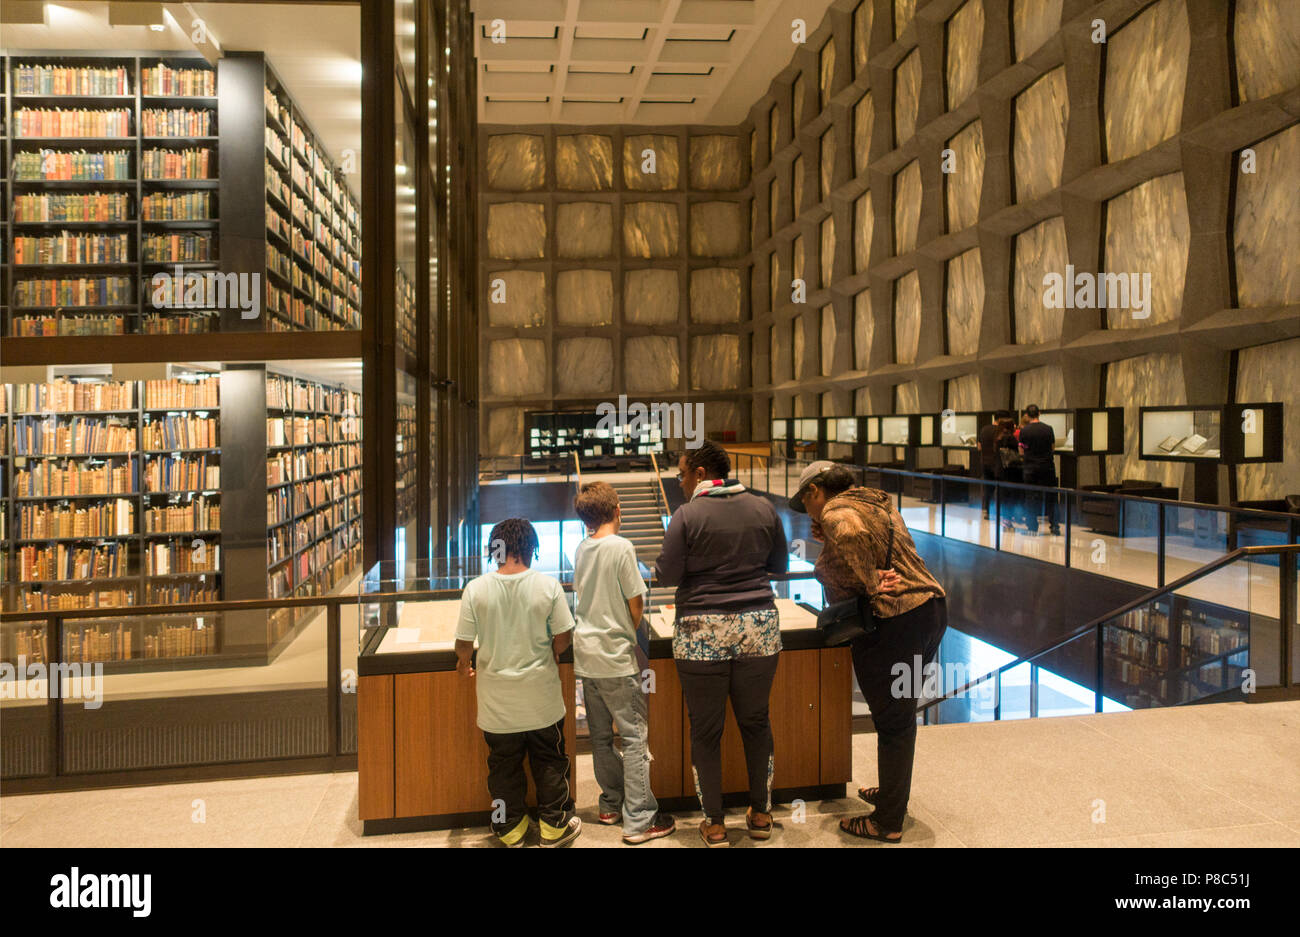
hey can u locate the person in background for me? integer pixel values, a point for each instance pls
(610, 600)
(863, 534)
(1038, 442)
(1010, 469)
(521, 621)
(989, 460)
(718, 550)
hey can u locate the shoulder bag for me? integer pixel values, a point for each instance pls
(844, 622)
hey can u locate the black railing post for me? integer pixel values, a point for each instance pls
(1160, 545)
(1101, 654)
(997, 516)
(1033, 691)
(1069, 527)
(333, 678)
(943, 507)
(53, 691)
(1286, 583)
(997, 695)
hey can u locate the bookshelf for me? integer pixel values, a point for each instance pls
(406, 456)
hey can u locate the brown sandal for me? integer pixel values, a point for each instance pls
(858, 826)
(713, 834)
(869, 794)
(758, 830)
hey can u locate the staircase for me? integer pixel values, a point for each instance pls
(642, 518)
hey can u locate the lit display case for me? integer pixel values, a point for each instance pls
(1099, 431)
(959, 429)
(1210, 436)
(1181, 434)
(552, 435)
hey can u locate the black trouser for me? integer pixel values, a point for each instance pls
(988, 473)
(1042, 475)
(707, 685)
(898, 640)
(508, 785)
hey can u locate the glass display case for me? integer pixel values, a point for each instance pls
(960, 429)
(553, 435)
(1062, 424)
(1181, 434)
(895, 430)
(1099, 431)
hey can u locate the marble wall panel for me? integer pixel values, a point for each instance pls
(1033, 22)
(1038, 151)
(964, 393)
(651, 364)
(584, 365)
(650, 297)
(863, 329)
(798, 94)
(907, 206)
(864, 222)
(774, 279)
(1266, 236)
(516, 367)
(1040, 250)
(1146, 70)
(862, 400)
(717, 229)
(907, 397)
(862, 14)
(799, 259)
(716, 163)
(525, 299)
(715, 295)
(584, 297)
(1266, 41)
(650, 229)
(826, 252)
(775, 351)
(964, 185)
(826, 174)
(584, 230)
(715, 362)
(797, 174)
(516, 231)
(773, 130)
(1143, 381)
(584, 162)
(907, 317)
(907, 97)
(516, 162)
(965, 302)
(1042, 386)
(721, 416)
(965, 31)
(797, 346)
(505, 431)
(826, 73)
(904, 10)
(667, 163)
(828, 337)
(773, 204)
(1147, 231)
(864, 122)
(1265, 374)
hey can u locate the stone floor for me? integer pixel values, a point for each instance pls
(1218, 775)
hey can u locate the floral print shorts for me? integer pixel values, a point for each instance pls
(727, 636)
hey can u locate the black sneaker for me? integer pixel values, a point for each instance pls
(562, 836)
(661, 825)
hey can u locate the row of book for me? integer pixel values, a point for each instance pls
(69, 248)
(180, 432)
(109, 519)
(176, 122)
(65, 562)
(176, 206)
(177, 325)
(180, 593)
(80, 435)
(27, 326)
(62, 395)
(103, 643)
(43, 601)
(178, 82)
(176, 247)
(71, 166)
(192, 163)
(277, 261)
(279, 507)
(27, 643)
(178, 558)
(203, 393)
(276, 187)
(75, 479)
(70, 79)
(79, 291)
(201, 513)
(78, 122)
(181, 473)
(73, 206)
(276, 146)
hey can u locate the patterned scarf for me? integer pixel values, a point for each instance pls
(717, 486)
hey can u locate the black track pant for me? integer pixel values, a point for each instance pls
(508, 784)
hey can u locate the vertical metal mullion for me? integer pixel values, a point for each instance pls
(333, 679)
(1160, 544)
(54, 701)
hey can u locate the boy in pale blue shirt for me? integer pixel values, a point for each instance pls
(610, 600)
(522, 624)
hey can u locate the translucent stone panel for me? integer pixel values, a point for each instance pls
(584, 162)
(907, 97)
(826, 176)
(1147, 231)
(584, 229)
(828, 341)
(584, 365)
(907, 207)
(584, 297)
(650, 297)
(717, 229)
(516, 231)
(826, 254)
(715, 362)
(505, 431)
(962, 187)
(799, 94)
(773, 204)
(965, 302)
(798, 347)
(964, 393)
(864, 122)
(826, 76)
(863, 329)
(650, 229)
(1033, 22)
(1266, 236)
(517, 367)
(523, 298)
(1040, 250)
(907, 317)
(715, 295)
(862, 400)
(1043, 386)
(636, 162)
(796, 181)
(1268, 373)
(904, 10)
(753, 149)
(773, 357)
(1266, 40)
(1146, 69)
(1139, 382)
(863, 227)
(965, 32)
(773, 130)
(907, 398)
(861, 35)
(799, 259)
(1039, 147)
(651, 363)
(716, 162)
(774, 279)
(516, 162)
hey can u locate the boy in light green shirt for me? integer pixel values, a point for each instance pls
(522, 624)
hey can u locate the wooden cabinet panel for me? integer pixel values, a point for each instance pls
(836, 715)
(416, 743)
(375, 747)
(665, 716)
(796, 713)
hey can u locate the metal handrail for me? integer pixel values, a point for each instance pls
(659, 484)
(577, 468)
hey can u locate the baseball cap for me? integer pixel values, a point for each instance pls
(806, 478)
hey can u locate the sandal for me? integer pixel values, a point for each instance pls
(869, 794)
(758, 830)
(714, 835)
(858, 826)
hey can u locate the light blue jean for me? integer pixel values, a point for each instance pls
(624, 778)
